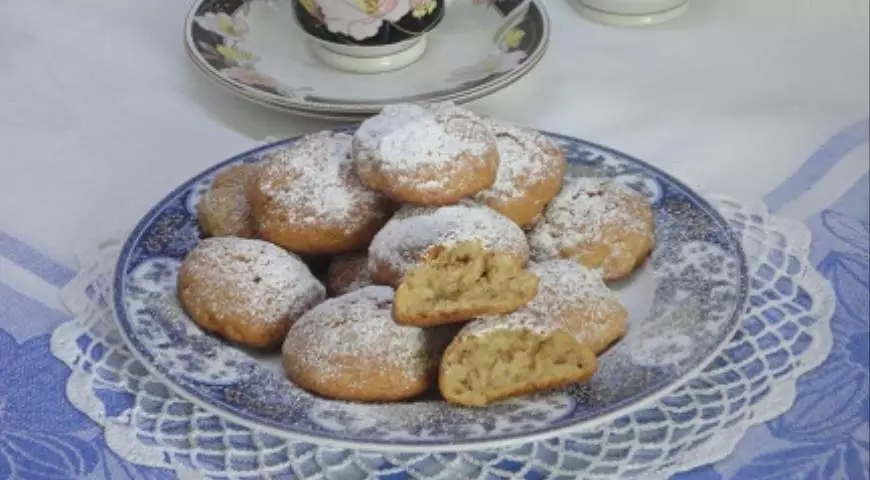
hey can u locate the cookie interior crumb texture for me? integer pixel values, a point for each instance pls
(462, 282)
(480, 369)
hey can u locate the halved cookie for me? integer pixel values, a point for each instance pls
(459, 283)
(500, 357)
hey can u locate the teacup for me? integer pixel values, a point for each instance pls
(369, 36)
(631, 13)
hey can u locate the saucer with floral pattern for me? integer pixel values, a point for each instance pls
(257, 50)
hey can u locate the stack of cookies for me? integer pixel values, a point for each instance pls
(459, 256)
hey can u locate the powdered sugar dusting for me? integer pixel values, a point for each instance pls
(360, 325)
(518, 321)
(404, 139)
(581, 213)
(407, 236)
(526, 159)
(565, 284)
(225, 211)
(312, 182)
(251, 279)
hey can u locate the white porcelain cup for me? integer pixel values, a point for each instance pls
(386, 35)
(631, 13)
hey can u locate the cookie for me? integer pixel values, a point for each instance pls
(459, 283)
(308, 199)
(348, 272)
(498, 357)
(349, 348)
(577, 296)
(426, 155)
(248, 291)
(224, 211)
(413, 233)
(598, 222)
(530, 173)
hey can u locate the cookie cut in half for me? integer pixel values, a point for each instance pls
(495, 358)
(461, 282)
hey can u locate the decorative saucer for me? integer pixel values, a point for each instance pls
(684, 305)
(257, 50)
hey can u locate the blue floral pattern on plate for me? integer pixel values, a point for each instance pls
(684, 305)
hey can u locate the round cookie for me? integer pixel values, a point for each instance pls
(426, 155)
(597, 222)
(577, 296)
(530, 174)
(224, 210)
(348, 272)
(248, 291)
(415, 233)
(308, 199)
(349, 348)
(497, 357)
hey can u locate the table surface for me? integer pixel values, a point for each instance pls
(102, 116)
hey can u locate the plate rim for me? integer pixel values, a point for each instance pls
(327, 111)
(442, 446)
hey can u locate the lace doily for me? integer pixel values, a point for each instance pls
(786, 332)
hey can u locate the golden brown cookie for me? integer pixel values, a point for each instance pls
(530, 174)
(497, 357)
(415, 232)
(577, 296)
(224, 211)
(349, 348)
(459, 283)
(349, 272)
(598, 222)
(248, 291)
(308, 200)
(426, 155)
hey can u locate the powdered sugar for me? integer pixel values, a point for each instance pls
(407, 141)
(312, 182)
(406, 237)
(250, 279)
(225, 211)
(565, 284)
(582, 212)
(526, 159)
(520, 321)
(359, 325)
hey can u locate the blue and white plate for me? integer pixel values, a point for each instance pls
(684, 305)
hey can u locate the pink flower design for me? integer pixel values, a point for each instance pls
(361, 19)
(250, 77)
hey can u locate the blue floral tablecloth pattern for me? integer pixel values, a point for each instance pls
(825, 435)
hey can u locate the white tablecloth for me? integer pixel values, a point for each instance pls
(101, 115)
